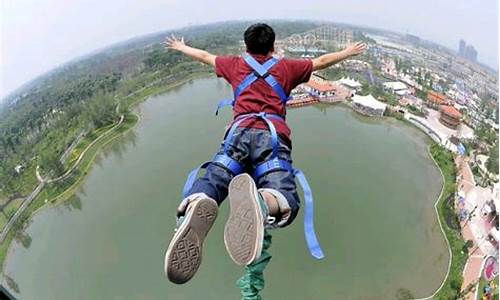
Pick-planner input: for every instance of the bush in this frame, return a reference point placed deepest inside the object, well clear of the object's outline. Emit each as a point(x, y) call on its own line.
point(467, 246)
point(415, 111)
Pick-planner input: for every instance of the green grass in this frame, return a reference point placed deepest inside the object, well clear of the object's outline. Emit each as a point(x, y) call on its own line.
point(23, 183)
point(89, 138)
point(60, 191)
point(9, 210)
point(453, 283)
point(3, 220)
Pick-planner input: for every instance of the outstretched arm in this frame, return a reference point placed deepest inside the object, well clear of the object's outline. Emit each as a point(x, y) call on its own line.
point(200, 55)
point(324, 61)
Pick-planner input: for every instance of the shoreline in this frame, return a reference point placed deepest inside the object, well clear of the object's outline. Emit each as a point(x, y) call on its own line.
point(439, 199)
point(453, 259)
point(152, 91)
point(436, 210)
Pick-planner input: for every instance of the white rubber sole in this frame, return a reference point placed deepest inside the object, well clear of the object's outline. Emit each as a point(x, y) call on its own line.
point(184, 253)
point(244, 230)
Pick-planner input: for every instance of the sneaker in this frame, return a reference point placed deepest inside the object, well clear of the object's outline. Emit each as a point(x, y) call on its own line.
point(244, 230)
point(183, 256)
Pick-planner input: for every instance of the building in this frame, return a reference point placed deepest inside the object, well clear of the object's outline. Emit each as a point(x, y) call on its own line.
point(389, 68)
point(301, 100)
point(368, 105)
point(436, 99)
point(467, 51)
point(465, 132)
point(471, 53)
point(397, 87)
point(461, 48)
point(319, 89)
point(411, 100)
point(450, 116)
point(350, 83)
point(19, 169)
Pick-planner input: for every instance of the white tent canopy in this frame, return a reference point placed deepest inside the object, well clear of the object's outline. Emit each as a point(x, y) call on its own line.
point(369, 101)
point(395, 85)
point(350, 82)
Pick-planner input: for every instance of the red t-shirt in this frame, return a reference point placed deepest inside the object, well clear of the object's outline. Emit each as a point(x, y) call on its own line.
point(260, 96)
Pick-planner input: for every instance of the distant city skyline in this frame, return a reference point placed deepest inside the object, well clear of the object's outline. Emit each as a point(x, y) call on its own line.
point(38, 36)
point(467, 51)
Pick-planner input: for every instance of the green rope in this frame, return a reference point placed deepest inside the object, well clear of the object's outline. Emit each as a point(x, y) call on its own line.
point(252, 282)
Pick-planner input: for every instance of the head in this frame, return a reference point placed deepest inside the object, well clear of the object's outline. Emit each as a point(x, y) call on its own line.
point(259, 39)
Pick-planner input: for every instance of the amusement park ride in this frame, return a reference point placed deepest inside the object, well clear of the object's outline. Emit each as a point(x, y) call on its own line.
point(317, 41)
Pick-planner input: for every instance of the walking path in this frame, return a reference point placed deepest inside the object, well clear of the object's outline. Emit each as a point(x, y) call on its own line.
point(43, 181)
point(472, 226)
point(70, 170)
point(20, 210)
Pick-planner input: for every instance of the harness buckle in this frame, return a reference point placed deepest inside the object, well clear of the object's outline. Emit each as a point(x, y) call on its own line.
point(256, 74)
point(274, 163)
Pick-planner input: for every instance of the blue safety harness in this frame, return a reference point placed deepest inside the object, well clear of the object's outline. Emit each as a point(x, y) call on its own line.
point(274, 163)
point(259, 71)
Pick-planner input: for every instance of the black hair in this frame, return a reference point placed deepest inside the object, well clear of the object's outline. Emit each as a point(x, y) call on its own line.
point(259, 39)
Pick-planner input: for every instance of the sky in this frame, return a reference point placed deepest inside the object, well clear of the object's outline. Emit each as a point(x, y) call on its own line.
point(37, 36)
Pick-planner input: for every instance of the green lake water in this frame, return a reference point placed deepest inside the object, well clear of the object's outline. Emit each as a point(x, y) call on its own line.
point(374, 185)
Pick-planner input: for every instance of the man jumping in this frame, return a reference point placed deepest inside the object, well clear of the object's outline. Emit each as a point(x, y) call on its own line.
point(257, 143)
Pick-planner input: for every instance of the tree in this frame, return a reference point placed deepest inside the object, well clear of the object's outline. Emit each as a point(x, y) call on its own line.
point(485, 133)
point(492, 162)
point(49, 162)
point(102, 110)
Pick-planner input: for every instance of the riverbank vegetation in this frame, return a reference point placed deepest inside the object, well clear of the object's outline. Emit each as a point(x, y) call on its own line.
point(449, 223)
point(62, 190)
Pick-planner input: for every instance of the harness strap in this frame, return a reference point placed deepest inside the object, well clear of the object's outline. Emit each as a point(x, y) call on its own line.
point(310, 234)
point(263, 72)
point(223, 103)
point(231, 164)
point(192, 177)
point(273, 164)
point(266, 118)
point(228, 162)
point(259, 71)
point(225, 160)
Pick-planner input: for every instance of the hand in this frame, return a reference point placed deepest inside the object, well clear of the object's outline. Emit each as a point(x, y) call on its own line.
point(355, 49)
point(173, 42)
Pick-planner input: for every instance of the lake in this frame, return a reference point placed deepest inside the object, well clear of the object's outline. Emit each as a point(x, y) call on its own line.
point(374, 185)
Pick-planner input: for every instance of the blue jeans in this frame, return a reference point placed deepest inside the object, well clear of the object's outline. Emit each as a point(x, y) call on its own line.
point(250, 147)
